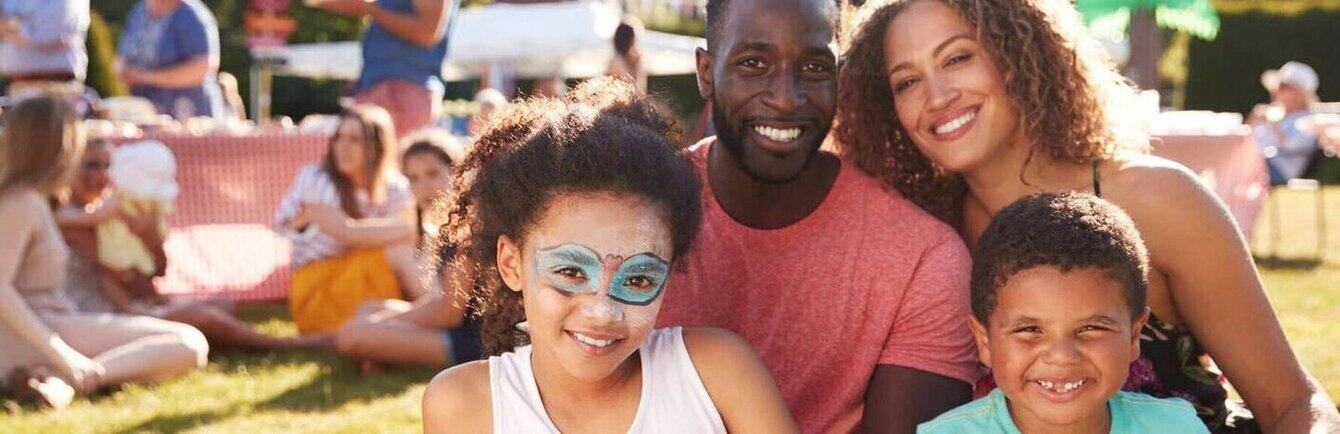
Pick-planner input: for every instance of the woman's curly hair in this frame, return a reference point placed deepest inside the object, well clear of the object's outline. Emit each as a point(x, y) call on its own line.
point(1070, 100)
point(603, 136)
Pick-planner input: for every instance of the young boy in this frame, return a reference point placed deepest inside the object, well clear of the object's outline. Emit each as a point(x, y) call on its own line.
point(1058, 300)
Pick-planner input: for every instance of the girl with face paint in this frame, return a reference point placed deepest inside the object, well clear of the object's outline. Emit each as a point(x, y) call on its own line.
point(569, 216)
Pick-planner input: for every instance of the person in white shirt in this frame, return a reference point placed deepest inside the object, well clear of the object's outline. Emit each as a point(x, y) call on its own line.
point(1282, 128)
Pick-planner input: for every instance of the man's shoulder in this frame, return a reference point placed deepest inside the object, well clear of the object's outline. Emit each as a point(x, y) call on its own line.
point(887, 210)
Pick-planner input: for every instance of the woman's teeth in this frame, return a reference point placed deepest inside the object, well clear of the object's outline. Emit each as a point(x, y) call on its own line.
point(954, 125)
point(778, 134)
point(1060, 387)
point(598, 343)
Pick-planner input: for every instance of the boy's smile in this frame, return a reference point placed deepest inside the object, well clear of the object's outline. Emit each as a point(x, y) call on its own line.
point(1059, 345)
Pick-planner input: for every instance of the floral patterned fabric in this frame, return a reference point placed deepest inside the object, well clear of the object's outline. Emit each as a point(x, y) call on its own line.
point(1173, 364)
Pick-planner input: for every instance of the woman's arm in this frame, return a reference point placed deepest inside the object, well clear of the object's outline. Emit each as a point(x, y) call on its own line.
point(458, 400)
point(740, 386)
point(360, 233)
point(145, 227)
point(1218, 293)
point(74, 218)
point(425, 27)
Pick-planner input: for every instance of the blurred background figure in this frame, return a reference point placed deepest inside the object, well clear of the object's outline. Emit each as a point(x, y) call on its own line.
point(487, 102)
point(169, 54)
point(232, 96)
point(403, 51)
point(627, 61)
point(52, 350)
point(1283, 128)
point(43, 40)
point(552, 87)
point(435, 330)
point(94, 287)
point(350, 220)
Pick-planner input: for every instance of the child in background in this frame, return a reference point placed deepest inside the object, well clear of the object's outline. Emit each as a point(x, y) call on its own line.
point(1058, 299)
point(434, 330)
point(143, 176)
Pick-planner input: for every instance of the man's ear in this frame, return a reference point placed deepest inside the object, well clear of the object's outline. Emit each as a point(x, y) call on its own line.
point(703, 60)
point(509, 262)
point(982, 339)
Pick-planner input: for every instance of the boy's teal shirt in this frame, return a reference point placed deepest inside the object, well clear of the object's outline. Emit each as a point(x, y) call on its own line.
point(1132, 413)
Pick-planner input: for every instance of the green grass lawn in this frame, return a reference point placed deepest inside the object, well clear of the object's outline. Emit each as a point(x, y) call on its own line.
point(311, 392)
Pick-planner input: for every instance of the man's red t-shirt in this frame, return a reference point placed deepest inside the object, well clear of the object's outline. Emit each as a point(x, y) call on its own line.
point(867, 279)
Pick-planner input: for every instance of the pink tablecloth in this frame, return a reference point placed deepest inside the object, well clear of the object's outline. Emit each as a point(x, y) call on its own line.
point(1230, 165)
point(220, 240)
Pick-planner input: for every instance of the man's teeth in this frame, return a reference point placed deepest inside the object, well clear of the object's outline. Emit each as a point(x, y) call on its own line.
point(598, 343)
point(954, 125)
point(1060, 387)
point(778, 134)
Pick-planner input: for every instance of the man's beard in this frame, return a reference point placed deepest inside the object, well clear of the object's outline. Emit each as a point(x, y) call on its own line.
point(733, 140)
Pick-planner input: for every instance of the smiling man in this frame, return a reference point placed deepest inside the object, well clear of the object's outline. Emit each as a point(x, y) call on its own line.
point(855, 298)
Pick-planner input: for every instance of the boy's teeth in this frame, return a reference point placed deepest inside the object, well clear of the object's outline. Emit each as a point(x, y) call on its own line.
point(599, 343)
point(1062, 387)
point(954, 125)
point(778, 134)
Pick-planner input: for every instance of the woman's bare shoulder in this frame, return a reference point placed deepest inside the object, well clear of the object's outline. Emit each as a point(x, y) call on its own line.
point(1140, 181)
point(22, 206)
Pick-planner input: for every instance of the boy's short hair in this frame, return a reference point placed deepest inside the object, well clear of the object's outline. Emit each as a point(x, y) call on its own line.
point(1062, 230)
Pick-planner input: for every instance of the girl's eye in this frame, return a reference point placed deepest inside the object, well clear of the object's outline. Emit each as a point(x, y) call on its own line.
point(572, 273)
point(639, 283)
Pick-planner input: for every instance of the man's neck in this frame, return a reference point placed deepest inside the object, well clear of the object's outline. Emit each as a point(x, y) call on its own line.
point(762, 205)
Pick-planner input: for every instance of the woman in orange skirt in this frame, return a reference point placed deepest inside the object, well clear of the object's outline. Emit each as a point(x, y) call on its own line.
point(350, 219)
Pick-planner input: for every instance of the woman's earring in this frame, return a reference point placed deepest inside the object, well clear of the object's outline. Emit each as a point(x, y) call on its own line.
point(523, 327)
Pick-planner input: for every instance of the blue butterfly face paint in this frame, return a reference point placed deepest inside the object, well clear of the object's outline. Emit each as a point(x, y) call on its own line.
point(575, 269)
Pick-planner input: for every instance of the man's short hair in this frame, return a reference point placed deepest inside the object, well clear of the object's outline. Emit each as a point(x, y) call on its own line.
point(716, 17)
point(1067, 231)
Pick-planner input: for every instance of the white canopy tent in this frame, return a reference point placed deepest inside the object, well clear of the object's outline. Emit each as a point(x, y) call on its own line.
point(538, 40)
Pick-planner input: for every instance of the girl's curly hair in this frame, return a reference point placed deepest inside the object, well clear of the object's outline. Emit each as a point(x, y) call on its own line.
point(603, 136)
point(1070, 100)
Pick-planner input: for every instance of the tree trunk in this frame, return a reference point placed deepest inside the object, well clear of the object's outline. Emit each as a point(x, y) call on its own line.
point(1146, 46)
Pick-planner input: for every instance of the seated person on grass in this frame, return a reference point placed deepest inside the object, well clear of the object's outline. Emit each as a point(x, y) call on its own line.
point(1058, 299)
point(576, 211)
point(435, 330)
point(94, 288)
point(49, 350)
point(350, 219)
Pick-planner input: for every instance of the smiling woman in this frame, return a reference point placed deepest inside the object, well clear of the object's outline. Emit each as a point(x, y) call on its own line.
point(965, 106)
point(569, 215)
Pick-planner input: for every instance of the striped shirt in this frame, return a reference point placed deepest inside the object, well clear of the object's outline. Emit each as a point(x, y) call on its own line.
point(314, 186)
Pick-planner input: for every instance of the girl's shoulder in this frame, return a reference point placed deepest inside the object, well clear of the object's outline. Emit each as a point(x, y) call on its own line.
point(718, 354)
point(459, 399)
point(708, 342)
